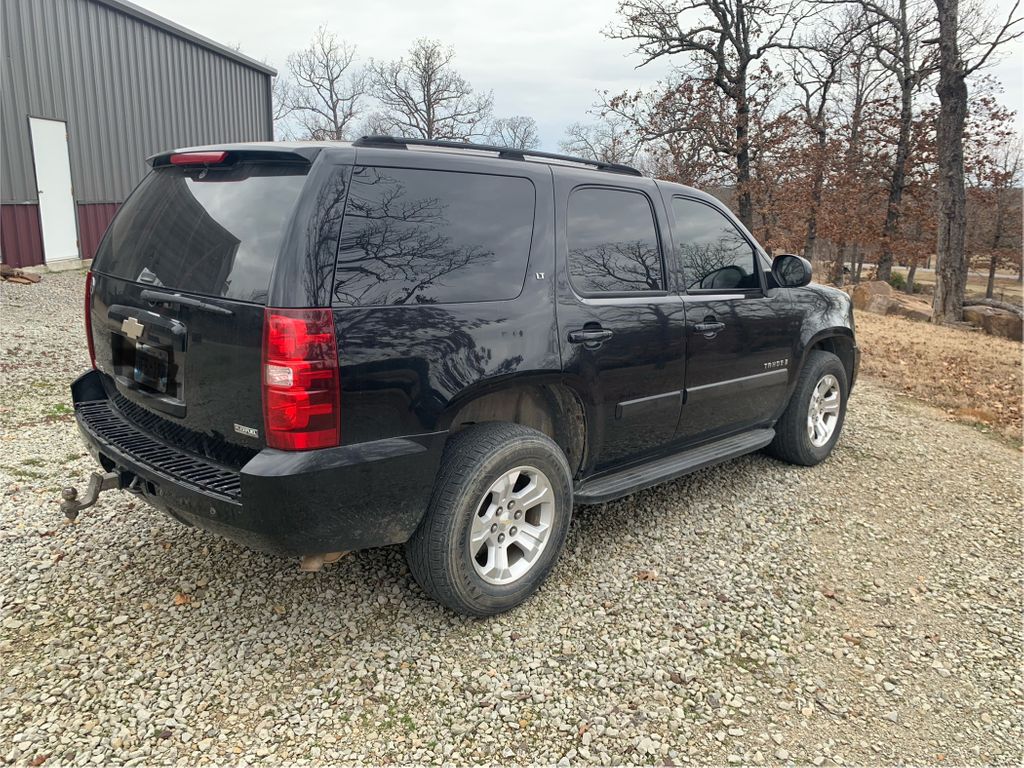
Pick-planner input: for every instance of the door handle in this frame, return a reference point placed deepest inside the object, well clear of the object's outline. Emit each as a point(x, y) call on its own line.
point(590, 337)
point(709, 328)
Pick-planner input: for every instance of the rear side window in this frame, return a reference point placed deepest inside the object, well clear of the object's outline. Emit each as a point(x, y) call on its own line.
point(432, 237)
point(613, 242)
point(715, 256)
point(216, 232)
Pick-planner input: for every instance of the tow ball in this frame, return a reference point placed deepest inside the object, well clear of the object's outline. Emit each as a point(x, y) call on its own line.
point(98, 482)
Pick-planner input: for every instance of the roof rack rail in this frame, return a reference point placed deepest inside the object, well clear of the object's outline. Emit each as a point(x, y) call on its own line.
point(507, 153)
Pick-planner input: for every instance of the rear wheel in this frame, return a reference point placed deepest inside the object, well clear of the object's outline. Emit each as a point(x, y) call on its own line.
point(811, 424)
point(497, 520)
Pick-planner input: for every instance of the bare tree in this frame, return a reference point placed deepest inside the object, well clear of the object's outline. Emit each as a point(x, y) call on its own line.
point(817, 69)
point(955, 65)
point(327, 87)
point(518, 132)
point(607, 141)
point(897, 30)
point(997, 207)
point(726, 38)
point(422, 96)
point(282, 103)
point(861, 93)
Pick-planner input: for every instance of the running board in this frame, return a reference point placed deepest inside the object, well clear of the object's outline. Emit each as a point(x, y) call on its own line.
point(627, 481)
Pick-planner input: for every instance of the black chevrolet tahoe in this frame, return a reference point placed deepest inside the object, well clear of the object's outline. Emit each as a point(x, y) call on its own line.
point(312, 348)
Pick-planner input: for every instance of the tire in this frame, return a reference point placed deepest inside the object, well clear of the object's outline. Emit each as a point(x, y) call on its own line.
point(484, 468)
point(793, 441)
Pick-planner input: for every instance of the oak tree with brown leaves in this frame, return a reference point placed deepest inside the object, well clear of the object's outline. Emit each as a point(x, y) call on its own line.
point(726, 40)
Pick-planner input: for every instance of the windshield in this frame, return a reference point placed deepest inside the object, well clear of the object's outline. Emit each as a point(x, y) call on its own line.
point(216, 232)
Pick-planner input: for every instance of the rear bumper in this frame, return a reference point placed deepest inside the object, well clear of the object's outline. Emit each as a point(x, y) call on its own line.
point(291, 503)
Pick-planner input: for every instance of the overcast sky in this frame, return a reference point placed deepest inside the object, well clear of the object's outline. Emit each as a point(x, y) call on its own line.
point(543, 58)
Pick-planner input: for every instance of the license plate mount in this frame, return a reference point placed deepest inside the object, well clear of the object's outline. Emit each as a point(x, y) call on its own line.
point(151, 366)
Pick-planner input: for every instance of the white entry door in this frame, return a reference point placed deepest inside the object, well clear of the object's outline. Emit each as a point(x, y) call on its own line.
point(53, 180)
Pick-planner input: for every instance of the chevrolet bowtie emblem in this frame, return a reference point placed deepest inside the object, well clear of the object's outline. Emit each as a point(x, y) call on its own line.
point(132, 328)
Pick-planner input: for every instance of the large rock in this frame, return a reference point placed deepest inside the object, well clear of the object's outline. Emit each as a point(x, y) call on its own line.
point(995, 321)
point(862, 293)
point(899, 304)
point(909, 307)
point(878, 304)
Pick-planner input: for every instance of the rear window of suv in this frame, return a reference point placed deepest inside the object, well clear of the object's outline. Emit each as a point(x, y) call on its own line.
point(415, 236)
point(214, 232)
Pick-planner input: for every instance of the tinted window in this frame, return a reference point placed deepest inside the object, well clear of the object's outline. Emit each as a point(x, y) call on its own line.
point(613, 242)
point(715, 255)
point(216, 232)
point(428, 237)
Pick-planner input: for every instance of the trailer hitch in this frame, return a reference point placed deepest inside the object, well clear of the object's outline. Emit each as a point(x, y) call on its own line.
point(98, 482)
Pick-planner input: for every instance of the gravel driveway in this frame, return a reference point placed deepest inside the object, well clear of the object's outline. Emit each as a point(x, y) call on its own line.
point(867, 610)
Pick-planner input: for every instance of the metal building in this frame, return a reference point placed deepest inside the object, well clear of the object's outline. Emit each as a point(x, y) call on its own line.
point(90, 88)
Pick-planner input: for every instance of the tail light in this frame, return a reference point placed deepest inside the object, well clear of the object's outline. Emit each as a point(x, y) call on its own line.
point(301, 391)
point(198, 158)
point(88, 317)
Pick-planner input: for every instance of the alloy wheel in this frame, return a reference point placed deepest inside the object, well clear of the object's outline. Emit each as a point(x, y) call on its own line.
point(512, 525)
point(823, 410)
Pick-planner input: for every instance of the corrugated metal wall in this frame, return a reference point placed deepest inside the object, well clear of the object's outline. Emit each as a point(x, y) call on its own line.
point(126, 88)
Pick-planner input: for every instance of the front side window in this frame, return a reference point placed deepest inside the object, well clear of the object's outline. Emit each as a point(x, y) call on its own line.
point(430, 237)
point(714, 255)
point(613, 242)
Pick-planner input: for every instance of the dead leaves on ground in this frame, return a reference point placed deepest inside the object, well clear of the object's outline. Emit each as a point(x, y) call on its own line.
point(972, 376)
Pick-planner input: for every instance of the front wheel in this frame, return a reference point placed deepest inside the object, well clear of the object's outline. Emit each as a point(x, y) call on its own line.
point(811, 424)
point(497, 520)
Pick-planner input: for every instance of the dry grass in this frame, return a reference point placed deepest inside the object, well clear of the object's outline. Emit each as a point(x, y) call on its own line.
point(974, 377)
point(1005, 288)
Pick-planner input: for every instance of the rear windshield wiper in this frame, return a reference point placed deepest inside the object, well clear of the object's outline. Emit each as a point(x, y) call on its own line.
point(185, 301)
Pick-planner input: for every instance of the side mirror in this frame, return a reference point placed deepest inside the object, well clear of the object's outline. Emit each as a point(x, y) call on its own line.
point(791, 271)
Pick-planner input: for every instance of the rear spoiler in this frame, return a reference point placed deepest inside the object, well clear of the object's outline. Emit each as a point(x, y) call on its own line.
point(228, 154)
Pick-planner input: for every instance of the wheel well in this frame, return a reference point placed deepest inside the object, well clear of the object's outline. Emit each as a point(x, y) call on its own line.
point(552, 409)
point(841, 347)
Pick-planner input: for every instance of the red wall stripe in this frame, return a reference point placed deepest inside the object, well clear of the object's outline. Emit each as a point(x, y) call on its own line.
point(21, 239)
point(93, 220)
